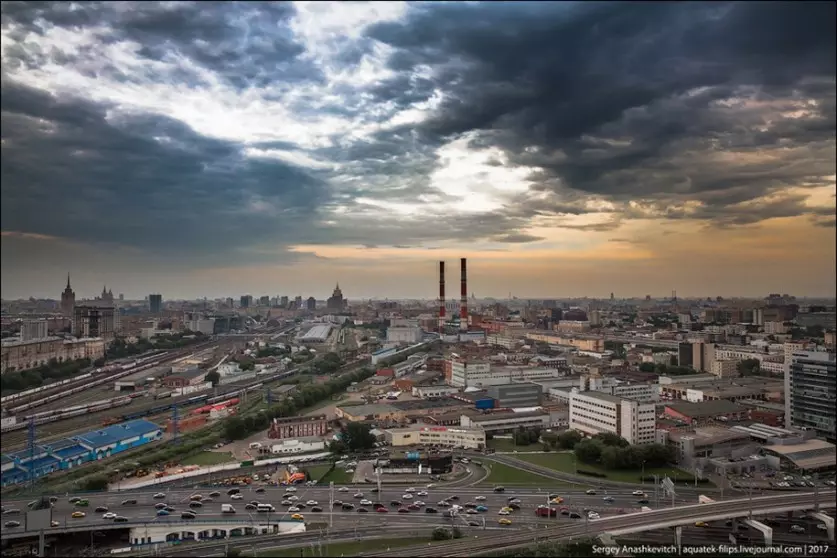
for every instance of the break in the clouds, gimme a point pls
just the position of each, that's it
(213, 132)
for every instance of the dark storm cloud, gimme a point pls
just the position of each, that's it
(631, 100)
(142, 181)
(244, 43)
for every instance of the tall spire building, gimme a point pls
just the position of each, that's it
(68, 299)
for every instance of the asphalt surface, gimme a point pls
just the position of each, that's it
(144, 509)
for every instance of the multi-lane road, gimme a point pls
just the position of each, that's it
(144, 511)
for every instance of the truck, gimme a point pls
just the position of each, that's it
(227, 508)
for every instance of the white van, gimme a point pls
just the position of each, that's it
(265, 508)
(255, 445)
(227, 508)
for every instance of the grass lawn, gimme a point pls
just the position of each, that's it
(504, 474)
(208, 458)
(338, 475)
(565, 462)
(345, 548)
(507, 444)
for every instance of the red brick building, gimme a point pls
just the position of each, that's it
(298, 427)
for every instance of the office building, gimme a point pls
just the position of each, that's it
(246, 301)
(684, 354)
(311, 304)
(516, 396)
(336, 302)
(811, 393)
(596, 413)
(155, 303)
(703, 355)
(499, 422)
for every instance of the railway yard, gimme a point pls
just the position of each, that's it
(90, 399)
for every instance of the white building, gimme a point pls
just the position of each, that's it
(32, 330)
(638, 392)
(456, 437)
(596, 413)
(432, 392)
(203, 325)
(503, 341)
(299, 445)
(482, 374)
(404, 334)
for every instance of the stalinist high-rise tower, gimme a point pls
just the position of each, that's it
(68, 299)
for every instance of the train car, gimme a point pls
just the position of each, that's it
(163, 395)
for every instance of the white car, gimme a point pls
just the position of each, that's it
(365, 502)
(290, 489)
(311, 503)
(411, 489)
(480, 498)
(591, 492)
(109, 515)
(431, 485)
(343, 489)
(407, 497)
(420, 503)
(236, 497)
(423, 493)
(293, 498)
(638, 493)
(159, 496)
(293, 509)
(593, 515)
(504, 512)
(358, 495)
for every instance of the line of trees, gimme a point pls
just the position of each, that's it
(237, 428)
(120, 348)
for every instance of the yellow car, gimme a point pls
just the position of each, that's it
(508, 509)
(505, 522)
(298, 517)
(557, 500)
(78, 515)
(701, 524)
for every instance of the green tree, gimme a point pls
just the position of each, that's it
(749, 367)
(610, 439)
(569, 439)
(358, 436)
(213, 377)
(588, 451)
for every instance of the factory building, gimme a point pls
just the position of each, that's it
(298, 427)
(72, 452)
(317, 334)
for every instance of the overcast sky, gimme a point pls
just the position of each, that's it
(567, 149)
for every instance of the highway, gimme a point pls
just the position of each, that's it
(144, 511)
(660, 518)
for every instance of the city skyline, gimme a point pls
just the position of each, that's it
(566, 149)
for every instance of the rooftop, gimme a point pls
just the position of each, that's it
(603, 396)
(413, 405)
(117, 433)
(811, 454)
(489, 417)
(368, 410)
(706, 408)
(189, 374)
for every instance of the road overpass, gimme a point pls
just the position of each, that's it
(633, 523)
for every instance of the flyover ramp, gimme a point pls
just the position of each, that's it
(632, 523)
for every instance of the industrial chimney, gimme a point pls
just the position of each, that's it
(441, 298)
(463, 301)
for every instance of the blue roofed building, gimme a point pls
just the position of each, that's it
(67, 453)
(120, 437)
(71, 452)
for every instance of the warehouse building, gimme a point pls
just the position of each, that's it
(317, 334)
(67, 453)
(698, 413)
(439, 436)
(298, 427)
(191, 377)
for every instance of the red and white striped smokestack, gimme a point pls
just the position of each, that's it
(463, 301)
(441, 297)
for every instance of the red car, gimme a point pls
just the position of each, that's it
(382, 510)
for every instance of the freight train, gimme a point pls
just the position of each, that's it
(66, 414)
(223, 404)
(148, 362)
